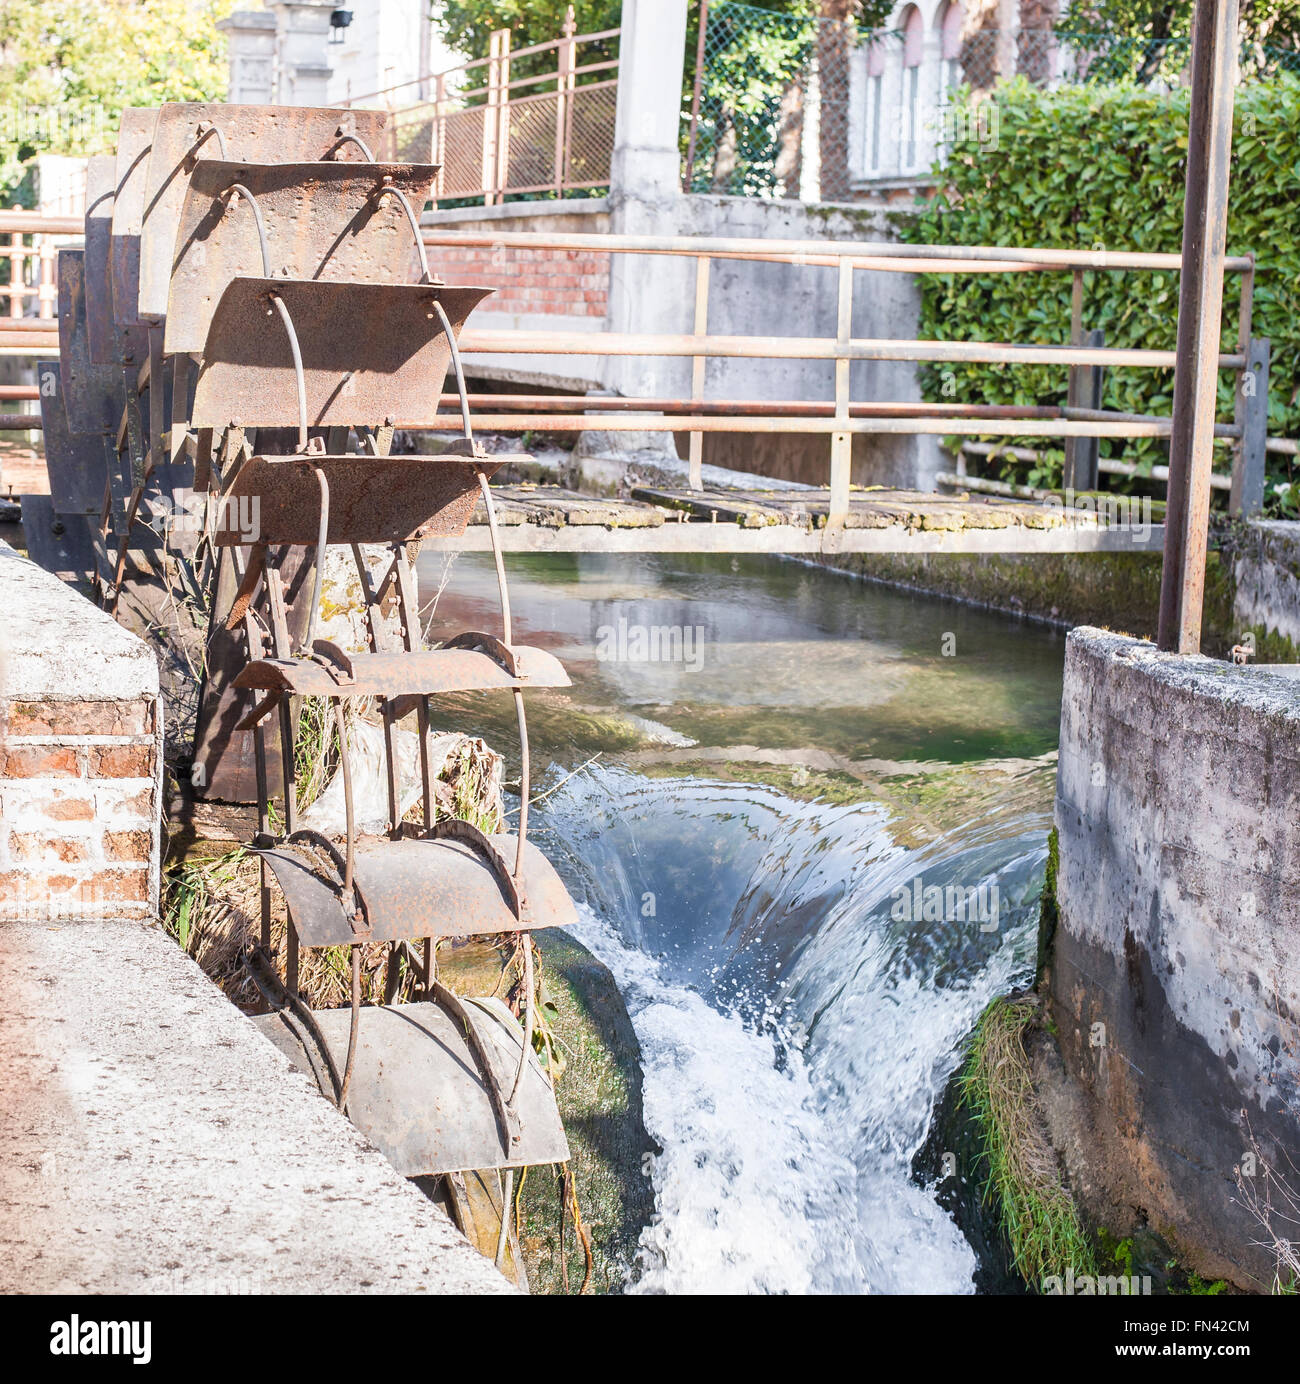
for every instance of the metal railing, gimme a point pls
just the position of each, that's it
(839, 418)
(30, 284)
(498, 135)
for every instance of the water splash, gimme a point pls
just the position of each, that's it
(795, 1034)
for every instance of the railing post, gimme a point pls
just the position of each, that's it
(1200, 305)
(1251, 415)
(842, 442)
(1072, 391)
(698, 367)
(564, 85)
(498, 40)
(17, 270)
(701, 54)
(503, 118)
(439, 152)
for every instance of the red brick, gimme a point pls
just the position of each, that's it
(120, 761)
(67, 809)
(38, 761)
(127, 845)
(81, 718)
(28, 846)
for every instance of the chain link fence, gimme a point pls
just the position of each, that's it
(818, 110)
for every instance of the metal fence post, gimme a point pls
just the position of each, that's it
(699, 366)
(1083, 454)
(1251, 416)
(842, 442)
(701, 53)
(1200, 304)
(565, 82)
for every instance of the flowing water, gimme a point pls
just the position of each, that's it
(759, 774)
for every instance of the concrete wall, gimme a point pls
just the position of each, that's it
(1266, 571)
(1174, 974)
(80, 755)
(151, 1140)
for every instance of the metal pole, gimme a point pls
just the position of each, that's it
(1200, 306)
(689, 180)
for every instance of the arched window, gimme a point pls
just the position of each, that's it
(913, 51)
(874, 113)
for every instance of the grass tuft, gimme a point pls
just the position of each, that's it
(1035, 1210)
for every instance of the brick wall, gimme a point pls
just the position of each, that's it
(80, 756)
(565, 283)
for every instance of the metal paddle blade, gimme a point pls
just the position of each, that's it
(93, 395)
(134, 138)
(371, 499)
(429, 672)
(186, 134)
(371, 353)
(77, 465)
(323, 220)
(422, 1087)
(101, 188)
(416, 887)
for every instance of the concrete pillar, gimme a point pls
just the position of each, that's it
(250, 35)
(649, 293)
(647, 159)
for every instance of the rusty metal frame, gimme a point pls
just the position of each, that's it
(314, 220)
(182, 138)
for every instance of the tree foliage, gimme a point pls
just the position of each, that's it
(68, 67)
(1104, 168)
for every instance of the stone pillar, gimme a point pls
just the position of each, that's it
(302, 51)
(251, 38)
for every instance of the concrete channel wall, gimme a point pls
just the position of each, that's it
(151, 1140)
(1175, 972)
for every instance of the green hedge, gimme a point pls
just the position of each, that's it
(1093, 167)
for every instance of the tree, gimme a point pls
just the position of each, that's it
(68, 67)
(1145, 39)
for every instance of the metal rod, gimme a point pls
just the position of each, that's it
(479, 342)
(700, 53)
(354, 1028)
(390, 191)
(797, 251)
(297, 369)
(318, 577)
(940, 427)
(526, 940)
(233, 193)
(1200, 306)
(461, 392)
(345, 769)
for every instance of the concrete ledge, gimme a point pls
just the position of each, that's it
(1175, 977)
(1266, 571)
(151, 1140)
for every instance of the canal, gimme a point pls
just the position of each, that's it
(806, 818)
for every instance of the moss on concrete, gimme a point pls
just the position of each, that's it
(1118, 591)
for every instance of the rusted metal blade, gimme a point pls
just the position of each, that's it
(60, 543)
(93, 396)
(134, 138)
(248, 134)
(417, 887)
(372, 499)
(76, 465)
(371, 353)
(429, 672)
(419, 1092)
(101, 186)
(323, 220)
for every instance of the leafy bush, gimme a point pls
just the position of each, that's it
(1103, 168)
